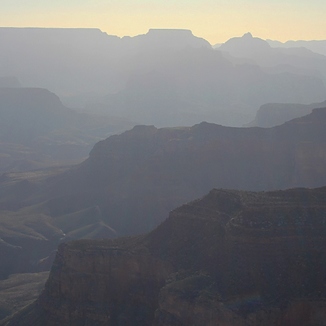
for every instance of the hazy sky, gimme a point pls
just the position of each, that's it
(214, 20)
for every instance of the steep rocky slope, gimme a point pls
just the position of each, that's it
(131, 181)
(230, 258)
(137, 177)
(20, 290)
(37, 130)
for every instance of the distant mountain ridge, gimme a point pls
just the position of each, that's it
(164, 77)
(274, 114)
(317, 46)
(157, 39)
(36, 128)
(246, 45)
(131, 181)
(56, 65)
(298, 60)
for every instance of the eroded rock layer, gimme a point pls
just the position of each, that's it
(230, 258)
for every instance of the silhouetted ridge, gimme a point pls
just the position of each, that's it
(37, 130)
(27, 113)
(137, 177)
(176, 38)
(273, 114)
(245, 45)
(159, 168)
(165, 77)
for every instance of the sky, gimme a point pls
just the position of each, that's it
(214, 20)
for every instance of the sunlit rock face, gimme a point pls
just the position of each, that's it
(230, 258)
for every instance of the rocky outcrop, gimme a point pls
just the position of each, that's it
(102, 284)
(230, 258)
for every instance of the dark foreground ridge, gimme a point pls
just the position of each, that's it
(230, 258)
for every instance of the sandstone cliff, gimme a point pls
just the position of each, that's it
(230, 258)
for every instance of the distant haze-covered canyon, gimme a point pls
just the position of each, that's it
(161, 180)
(165, 77)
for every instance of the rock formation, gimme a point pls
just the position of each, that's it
(275, 114)
(279, 59)
(165, 77)
(37, 130)
(230, 258)
(131, 181)
(137, 177)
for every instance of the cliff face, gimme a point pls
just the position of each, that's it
(230, 258)
(131, 181)
(102, 284)
(138, 176)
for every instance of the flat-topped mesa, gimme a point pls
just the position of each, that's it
(196, 267)
(171, 38)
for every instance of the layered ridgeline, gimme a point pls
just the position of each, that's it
(274, 114)
(296, 59)
(46, 57)
(131, 181)
(317, 46)
(231, 258)
(136, 177)
(165, 77)
(37, 130)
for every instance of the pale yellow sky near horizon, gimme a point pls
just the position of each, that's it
(216, 21)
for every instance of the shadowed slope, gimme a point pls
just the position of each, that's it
(131, 181)
(230, 258)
